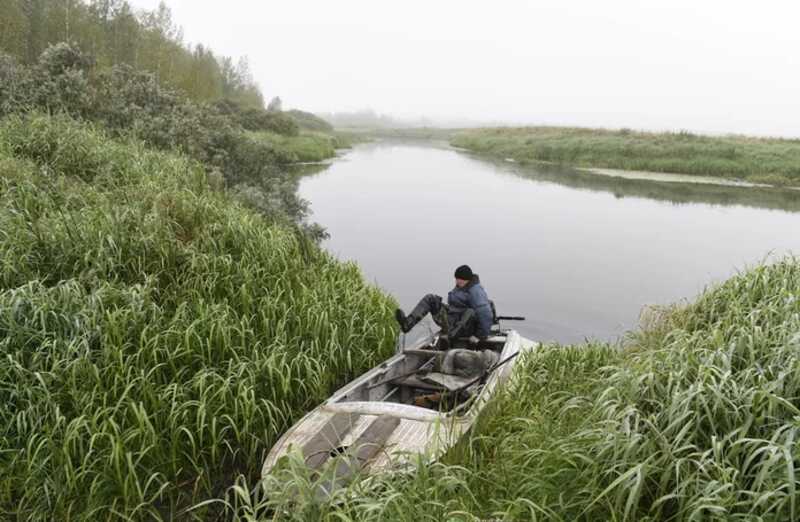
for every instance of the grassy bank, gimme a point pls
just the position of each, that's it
(305, 147)
(131, 104)
(758, 160)
(156, 336)
(695, 419)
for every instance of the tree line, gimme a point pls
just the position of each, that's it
(112, 32)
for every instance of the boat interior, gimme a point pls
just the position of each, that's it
(416, 376)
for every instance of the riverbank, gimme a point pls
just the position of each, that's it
(157, 336)
(769, 161)
(693, 418)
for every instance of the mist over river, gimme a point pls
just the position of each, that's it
(577, 254)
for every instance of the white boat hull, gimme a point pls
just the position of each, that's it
(398, 432)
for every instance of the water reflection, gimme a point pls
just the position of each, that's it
(673, 192)
(579, 254)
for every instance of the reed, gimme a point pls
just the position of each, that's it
(157, 337)
(695, 418)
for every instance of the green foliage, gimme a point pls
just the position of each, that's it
(116, 34)
(309, 121)
(14, 85)
(58, 82)
(132, 104)
(277, 122)
(308, 147)
(257, 119)
(156, 336)
(753, 159)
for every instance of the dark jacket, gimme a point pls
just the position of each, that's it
(472, 295)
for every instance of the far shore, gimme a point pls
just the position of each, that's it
(680, 157)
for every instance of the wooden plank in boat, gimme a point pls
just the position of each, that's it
(374, 438)
(366, 446)
(318, 449)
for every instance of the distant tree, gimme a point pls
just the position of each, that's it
(35, 15)
(15, 86)
(13, 28)
(113, 32)
(275, 105)
(157, 42)
(310, 121)
(204, 80)
(238, 84)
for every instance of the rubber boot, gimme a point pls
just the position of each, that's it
(407, 322)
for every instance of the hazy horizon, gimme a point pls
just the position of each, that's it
(715, 67)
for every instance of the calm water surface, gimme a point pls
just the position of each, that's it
(578, 254)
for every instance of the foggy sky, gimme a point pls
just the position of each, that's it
(709, 66)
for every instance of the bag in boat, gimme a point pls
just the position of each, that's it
(456, 368)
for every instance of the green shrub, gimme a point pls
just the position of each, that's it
(128, 103)
(309, 121)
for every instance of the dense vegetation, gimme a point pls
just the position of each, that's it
(158, 334)
(695, 419)
(309, 121)
(130, 73)
(114, 33)
(759, 160)
(157, 337)
(132, 104)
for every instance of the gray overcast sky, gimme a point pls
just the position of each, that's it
(714, 65)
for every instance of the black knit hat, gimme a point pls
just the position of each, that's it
(464, 272)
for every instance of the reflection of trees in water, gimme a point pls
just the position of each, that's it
(674, 192)
(307, 169)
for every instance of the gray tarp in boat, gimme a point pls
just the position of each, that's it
(457, 368)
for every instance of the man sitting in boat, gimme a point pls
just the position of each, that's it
(468, 312)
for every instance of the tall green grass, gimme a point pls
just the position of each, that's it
(695, 418)
(156, 337)
(760, 160)
(307, 147)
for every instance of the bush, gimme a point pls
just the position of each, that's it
(15, 85)
(257, 119)
(309, 121)
(131, 104)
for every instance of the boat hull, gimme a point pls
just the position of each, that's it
(381, 435)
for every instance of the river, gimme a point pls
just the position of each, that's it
(578, 254)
